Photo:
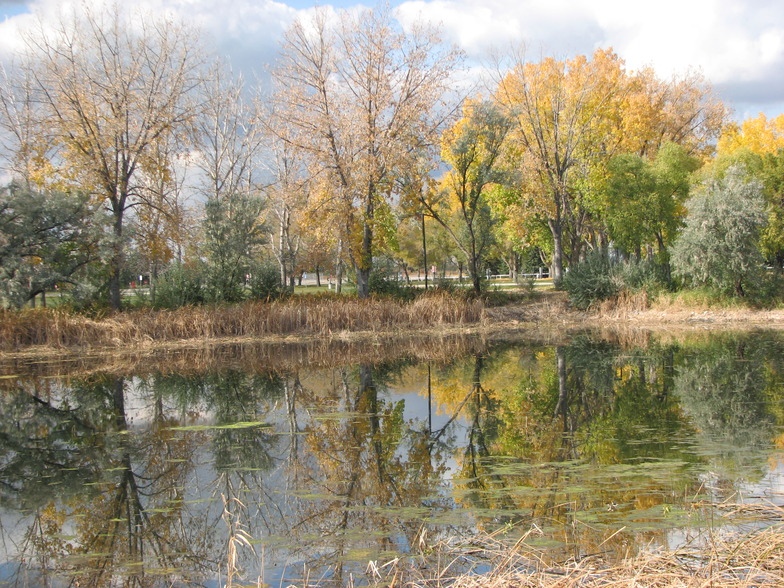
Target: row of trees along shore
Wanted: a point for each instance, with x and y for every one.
(134, 152)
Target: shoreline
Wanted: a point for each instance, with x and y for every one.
(546, 318)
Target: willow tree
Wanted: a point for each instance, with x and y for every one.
(359, 96)
(111, 85)
(719, 246)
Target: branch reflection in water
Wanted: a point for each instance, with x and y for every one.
(250, 464)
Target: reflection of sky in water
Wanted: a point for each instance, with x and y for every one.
(771, 486)
(505, 484)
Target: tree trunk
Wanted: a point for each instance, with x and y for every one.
(363, 282)
(339, 268)
(664, 258)
(318, 276)
(282, 256)
(563, 391)
(476, 279)
(557, 230)
(473, 265)
(424, 249)
(365, 264)
(116, 265)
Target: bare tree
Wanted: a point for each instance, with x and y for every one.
(359, 96)
(23, 138)
(229, 142)
(227, 136)
(110, 86)
(287, 201)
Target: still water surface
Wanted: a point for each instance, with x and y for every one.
(192, 477)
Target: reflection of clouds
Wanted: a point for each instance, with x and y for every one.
(771, 486)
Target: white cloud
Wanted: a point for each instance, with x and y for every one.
(737, 44)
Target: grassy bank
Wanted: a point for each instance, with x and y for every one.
(301, 316)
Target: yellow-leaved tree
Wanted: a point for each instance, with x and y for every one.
(359, 97)
(564, 111)
(472, 147)
(573, 116)
(759, 135)
(758, 145)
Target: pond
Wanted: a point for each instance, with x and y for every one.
(281, 465)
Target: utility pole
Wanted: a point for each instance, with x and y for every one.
(424, 248)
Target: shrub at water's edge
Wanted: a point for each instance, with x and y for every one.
(596, 279)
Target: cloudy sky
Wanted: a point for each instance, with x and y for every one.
(737, 44)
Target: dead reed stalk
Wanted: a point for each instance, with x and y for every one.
(724, 561)
(297, 316)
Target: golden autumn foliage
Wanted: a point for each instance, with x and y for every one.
(759, 135)
(572, 117)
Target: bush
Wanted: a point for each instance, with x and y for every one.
(86, 299)
(596, 279)
(590, 281)
(387, 284)
(265, 283)
(644, 274)
(180, 285)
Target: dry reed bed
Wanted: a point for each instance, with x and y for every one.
(723, 560)
(58, 329)
(752, 562)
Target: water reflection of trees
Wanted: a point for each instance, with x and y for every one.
(729, 388)
(363, 471)
(598, 439)
(132, 480)
(115, 506)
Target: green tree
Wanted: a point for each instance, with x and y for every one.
(645, 199)
(719, 247)
(45, 239)
(234, 234)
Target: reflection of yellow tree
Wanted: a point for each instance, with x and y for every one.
(355, 470)
(564, 418)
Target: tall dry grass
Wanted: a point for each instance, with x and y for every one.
(755, 559)
(298, 316)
